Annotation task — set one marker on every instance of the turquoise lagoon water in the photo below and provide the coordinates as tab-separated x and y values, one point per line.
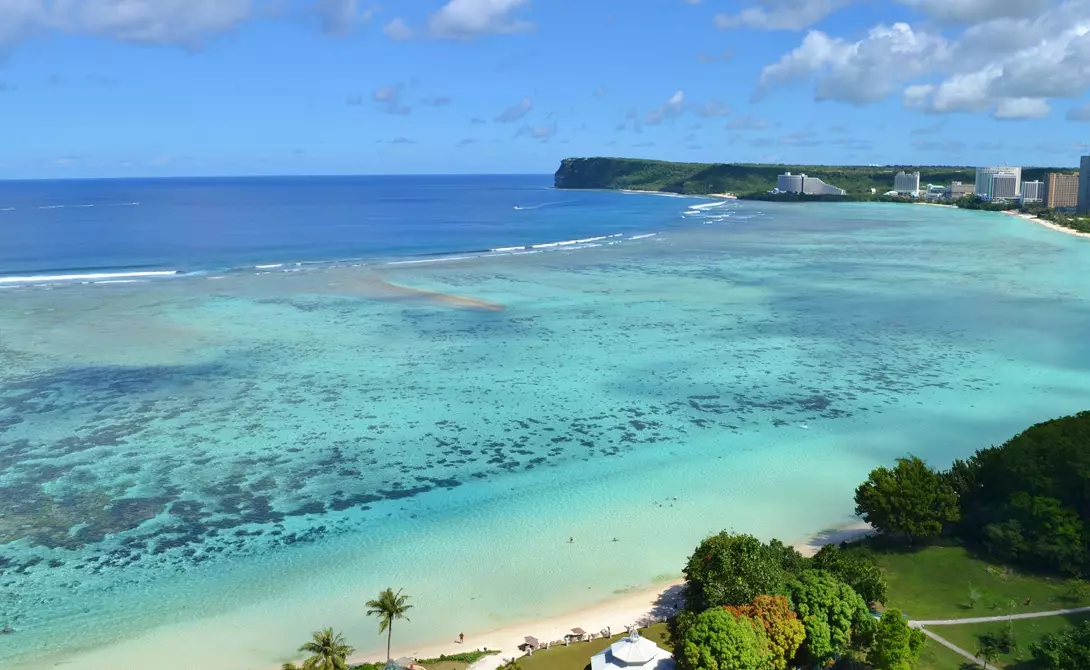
205	469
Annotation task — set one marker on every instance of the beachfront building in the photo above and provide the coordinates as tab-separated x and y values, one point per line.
1061	190
1082	205
958	190
634	653
1032	191
1002	186
934	192
907	183
984	180
800	183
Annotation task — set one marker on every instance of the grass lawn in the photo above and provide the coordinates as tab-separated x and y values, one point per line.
577	656
1026	632
936	657
934	583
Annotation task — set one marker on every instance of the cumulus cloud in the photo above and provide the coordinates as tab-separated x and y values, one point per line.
340	17
466	19
1009	58
1022	108
398	31
975	11
185	22
859	72
671	109
516	111
781	14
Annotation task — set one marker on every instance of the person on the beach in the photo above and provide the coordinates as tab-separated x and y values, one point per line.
571	540
461	638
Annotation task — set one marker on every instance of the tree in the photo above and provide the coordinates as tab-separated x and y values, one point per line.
896	645
728	569
834	616
856	569
911	500
1066	650
719	640
387	607
327	650
1028	501
783	630
988	652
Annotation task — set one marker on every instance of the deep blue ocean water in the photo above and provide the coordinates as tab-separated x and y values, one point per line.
186	225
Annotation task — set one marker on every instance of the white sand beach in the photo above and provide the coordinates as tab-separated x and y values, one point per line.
1048	224
642	607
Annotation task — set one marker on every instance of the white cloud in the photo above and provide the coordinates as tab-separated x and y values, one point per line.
397	30
516	111
671	109
781	14
466	19
157	21
186	22
857	72
1022	108
340	17
968	12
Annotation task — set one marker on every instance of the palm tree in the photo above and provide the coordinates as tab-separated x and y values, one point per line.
387	607
327	650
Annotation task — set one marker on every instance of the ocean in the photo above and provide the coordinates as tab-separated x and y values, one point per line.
233	410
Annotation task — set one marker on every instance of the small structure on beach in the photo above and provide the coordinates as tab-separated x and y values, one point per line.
633	651
576	635
403	663
530	644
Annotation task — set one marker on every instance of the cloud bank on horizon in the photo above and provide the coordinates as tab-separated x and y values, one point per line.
103	87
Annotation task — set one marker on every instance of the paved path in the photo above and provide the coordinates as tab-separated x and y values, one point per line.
953	647
1005	617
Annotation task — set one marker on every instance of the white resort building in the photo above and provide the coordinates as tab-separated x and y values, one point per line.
984	175
906	183
800	183
633	652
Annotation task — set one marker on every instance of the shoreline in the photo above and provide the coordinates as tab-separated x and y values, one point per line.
1047	224
641	606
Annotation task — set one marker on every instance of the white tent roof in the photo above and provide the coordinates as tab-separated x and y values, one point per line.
633	650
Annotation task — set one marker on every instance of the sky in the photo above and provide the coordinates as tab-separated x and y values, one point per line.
108	88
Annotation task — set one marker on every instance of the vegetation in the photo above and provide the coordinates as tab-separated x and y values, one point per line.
1013	641
747	180
1028	501
835	617
911	500
1077	223
388	607
1065	650
728	569
857	569
720	640
577	656
783	631
896	645
328	651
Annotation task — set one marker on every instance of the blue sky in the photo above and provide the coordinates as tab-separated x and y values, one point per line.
214	87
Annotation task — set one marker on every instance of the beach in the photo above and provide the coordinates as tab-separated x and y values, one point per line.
1048	224
641	607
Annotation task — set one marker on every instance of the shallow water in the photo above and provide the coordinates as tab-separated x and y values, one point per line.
205	470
